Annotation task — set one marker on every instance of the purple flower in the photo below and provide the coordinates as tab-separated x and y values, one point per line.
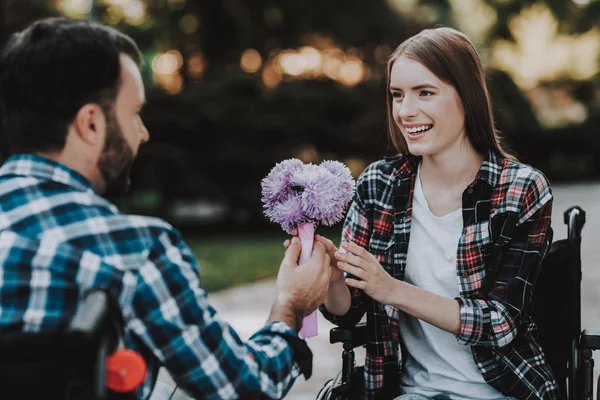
276	186
294	193
345	178
288	213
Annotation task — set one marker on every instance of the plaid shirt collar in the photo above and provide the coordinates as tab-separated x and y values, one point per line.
406	166
44	169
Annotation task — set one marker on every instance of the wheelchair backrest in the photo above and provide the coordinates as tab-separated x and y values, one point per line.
69	363
557	299
553	308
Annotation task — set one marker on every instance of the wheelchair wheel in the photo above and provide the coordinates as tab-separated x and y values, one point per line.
326	391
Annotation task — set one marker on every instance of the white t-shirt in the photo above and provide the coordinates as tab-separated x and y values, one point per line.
435	363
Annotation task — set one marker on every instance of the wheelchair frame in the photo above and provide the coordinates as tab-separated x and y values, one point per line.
73	361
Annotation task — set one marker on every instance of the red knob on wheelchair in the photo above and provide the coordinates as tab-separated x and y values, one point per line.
125	371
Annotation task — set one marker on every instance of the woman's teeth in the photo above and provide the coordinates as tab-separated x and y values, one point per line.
419	129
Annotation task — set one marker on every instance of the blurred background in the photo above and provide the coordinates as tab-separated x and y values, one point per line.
235	86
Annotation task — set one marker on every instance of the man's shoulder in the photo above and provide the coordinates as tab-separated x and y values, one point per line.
121	239
142	222
81	217
138	232
141	226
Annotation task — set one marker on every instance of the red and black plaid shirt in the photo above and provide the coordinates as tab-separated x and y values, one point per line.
497	326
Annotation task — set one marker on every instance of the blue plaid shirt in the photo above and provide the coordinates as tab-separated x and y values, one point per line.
59	238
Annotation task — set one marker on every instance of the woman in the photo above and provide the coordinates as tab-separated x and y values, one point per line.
443	243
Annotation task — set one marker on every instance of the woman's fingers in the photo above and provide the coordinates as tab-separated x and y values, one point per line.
350	258
356	250
356	284
326	242
352	270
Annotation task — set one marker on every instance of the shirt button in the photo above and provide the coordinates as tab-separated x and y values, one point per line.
464	274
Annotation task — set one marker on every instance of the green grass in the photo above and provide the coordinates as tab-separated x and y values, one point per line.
227	262
231	261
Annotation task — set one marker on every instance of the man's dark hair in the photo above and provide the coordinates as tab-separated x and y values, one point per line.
49	71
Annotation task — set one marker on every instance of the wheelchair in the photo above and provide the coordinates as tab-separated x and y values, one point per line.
81	362
568	349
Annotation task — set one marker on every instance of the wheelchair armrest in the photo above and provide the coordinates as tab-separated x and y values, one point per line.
92	323
92	316
590	339
356	335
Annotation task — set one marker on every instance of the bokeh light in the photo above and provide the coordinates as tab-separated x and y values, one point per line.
540	53
196	65
271	77
312	58
134	12
75	8
188	24
167	63
292	63
352	72
165	68
251	61
474	17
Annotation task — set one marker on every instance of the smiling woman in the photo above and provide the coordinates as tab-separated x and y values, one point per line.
422	101
443	242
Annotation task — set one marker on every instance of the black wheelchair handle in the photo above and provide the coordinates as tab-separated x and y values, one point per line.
574	218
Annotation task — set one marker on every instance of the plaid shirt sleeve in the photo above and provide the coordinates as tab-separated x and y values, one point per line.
357	229
494	322
171	314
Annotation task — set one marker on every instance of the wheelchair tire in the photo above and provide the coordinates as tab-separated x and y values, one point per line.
326	391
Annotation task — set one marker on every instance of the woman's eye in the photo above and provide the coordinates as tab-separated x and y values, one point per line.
426	93
397	95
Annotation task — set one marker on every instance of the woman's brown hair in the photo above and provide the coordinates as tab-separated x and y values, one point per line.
451	56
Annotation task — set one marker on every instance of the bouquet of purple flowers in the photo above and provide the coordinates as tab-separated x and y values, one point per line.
298	195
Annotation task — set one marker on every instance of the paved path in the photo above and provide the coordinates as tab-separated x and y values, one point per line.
246	308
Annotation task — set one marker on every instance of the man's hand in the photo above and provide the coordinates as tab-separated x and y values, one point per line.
337	275
301	289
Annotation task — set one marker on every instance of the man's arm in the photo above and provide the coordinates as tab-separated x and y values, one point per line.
171	314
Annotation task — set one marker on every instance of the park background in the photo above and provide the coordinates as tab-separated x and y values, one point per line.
234	86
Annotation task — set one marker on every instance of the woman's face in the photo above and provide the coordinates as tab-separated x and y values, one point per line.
427	110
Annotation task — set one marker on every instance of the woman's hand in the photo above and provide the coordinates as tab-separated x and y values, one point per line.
374	280
379	285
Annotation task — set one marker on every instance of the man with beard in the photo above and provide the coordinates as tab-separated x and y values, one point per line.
71	93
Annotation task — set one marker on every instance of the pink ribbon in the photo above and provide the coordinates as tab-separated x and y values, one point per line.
306	232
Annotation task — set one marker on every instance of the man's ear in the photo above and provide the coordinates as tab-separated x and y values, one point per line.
90	124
